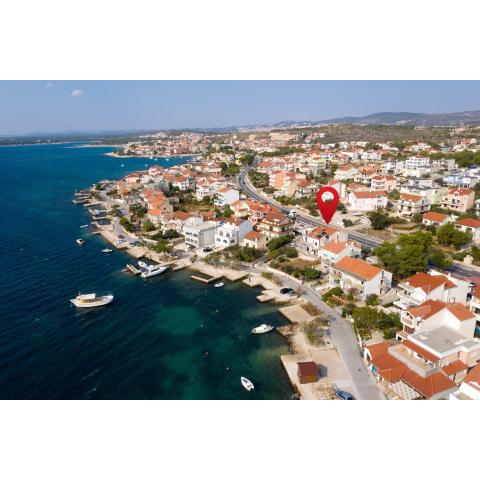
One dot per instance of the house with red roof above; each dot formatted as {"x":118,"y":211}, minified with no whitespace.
{"x":458,"y":199}
{"x":385,"y":183}
{"x":410,"y":204}
{"x":423,"y":286}
{"x":434,"y":359}
{"x":435,"y":219}
{"x":315,"y":239}
{"x":361,"y":277}
{"x":469,"y":225}
{"x":274,"y":225}
{"x":367,"y":201}
{"x":254,"y":239}
{"x":226,"y":196}
{"x":345,"y":172}
{"x":333,"y":251}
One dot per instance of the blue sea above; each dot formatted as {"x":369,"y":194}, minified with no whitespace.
{"x":166,"y":337}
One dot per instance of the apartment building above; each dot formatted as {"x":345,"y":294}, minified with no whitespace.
{"x":384,"y":183}
{"x":409,"y":205}
{"x":199,"y":234}
{"x":422,"y":286}
{"x":459,"y":199}
{"x":315,"y":239}
{"x":231,"y":232}
{"x":226,"y":196}
{"x":367,"y":201}
{"x":345,"y":172}
{"x":274,"y":225}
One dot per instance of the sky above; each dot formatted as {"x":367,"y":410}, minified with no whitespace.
{"x":56,"y":106}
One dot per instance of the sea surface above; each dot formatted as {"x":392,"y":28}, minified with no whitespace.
{"x":166,"y":337}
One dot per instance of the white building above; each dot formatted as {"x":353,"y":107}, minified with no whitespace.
{"x":199,"y":234}
{"x":226,"y":196}
{"x":367,"y":201}
{"x":232,"y":232}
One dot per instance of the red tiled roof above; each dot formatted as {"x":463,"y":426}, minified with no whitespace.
{"x":435,"y":216}
{"x":253,"y":235}
{"x":473,"y":375}
{"x":460,"y":191}
{"x":429,"y":282}
{"x":429,"y":386}
{"x":421,"y":351}
{"x":431,"y":307}
{"x":454,"y":367}
{"x":410,"y":198}
{"x":368,"y":194}
{"x":307,"y":368}
{"x":321,"y":231}
{"x":469,"y":222}
{"x":358,"y":268}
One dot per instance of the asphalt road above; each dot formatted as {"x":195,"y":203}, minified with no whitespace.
{"x":364,"y":240}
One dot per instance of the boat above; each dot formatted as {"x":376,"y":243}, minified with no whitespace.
{"x":219,"y":285}
{"x":107,"y":250}
{"x":80,"y":241}
{"x":122,"y":165}
{"x":264,"y":328}
{"x":247,"y":384}
{"x":84,"y":226}
{"x":152,"y":270}
{"x":89,"y":300}
{"x":142,"y":265}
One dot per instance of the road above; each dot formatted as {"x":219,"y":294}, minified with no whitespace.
{"x":369,"y":242}
{"x":342,"y":336}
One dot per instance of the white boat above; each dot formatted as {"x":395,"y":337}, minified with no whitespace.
{"x":247,"y":384}
{"x":264,"y":328}
{"x":152,"y":270}
{"x":89,"y":300}
{"x":107,"y":250}
{"x":142,"y":265}
{"x":219,"y":285}
{"x":80,"y":241}
{"x":84,"y":226}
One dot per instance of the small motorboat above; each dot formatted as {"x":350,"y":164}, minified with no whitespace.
{"x":84,"y":226}
{"x":142,"y":265}
{"x":152,"y":270}
{"x":122,"y":165}
{"x":247,"y":384}
{"x":107,"y":250}
{"x":80,"y":241}
{"x":219,"y":285}
{"x":89,"y":300}
{"x":264,"y":328}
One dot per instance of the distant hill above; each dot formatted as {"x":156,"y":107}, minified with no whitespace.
{"x":414,"y":119}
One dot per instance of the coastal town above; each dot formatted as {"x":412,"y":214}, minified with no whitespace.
{"x":383,"y":302}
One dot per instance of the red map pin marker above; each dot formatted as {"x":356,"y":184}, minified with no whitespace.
{"x":327,"y":209}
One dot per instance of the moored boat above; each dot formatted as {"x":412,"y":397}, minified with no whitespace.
{"x":80,"y":241}
{"x":264,"y":328}
{"x":219,"y":285}
{"x":152,"y":270}
{"x":107,"y":250}
{"x":247,"y":384}
{"x":89,"y":300}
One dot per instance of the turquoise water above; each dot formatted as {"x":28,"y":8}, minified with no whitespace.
{"x":152,"y":342}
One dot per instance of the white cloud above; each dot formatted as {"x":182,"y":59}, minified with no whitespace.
{"x":76,"y":93}
{"x":49,"y":85}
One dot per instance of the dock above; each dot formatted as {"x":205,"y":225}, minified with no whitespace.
{"x":132,"y":269}
{"x":204,"y":279}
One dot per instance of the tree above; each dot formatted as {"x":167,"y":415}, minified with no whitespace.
{"x":163,"y":246}
{"x":227,"y":211}
{"x":408,"y":256}
{"x":278,"y":242}
{"x":291,"y":252}
{"x":148,"y":226}
{"x":372,"y":300}
{"x":417,"y":218}
{"x":440,"y":259}
{"x":341,"y":208}
{"x":379,"y":220}
{"x":449,"y":235}
{"x":347,"y":222}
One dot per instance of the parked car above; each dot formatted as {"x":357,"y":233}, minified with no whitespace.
{"x":342,"y":395}
{"x":208,"y":249}
{"x":287,"y":290}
